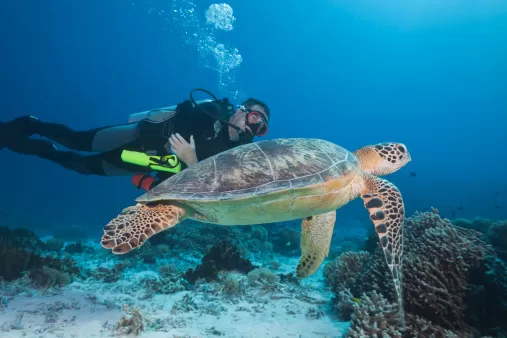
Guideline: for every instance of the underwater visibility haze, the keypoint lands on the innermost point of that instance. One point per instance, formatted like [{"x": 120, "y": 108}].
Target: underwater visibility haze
[{"x": 424, "y": 81}]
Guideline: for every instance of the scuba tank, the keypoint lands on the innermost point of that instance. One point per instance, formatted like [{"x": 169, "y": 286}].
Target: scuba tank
[{"x": 159, "y": 114}]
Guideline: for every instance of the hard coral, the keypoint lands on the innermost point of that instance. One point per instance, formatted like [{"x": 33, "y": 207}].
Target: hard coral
[
  {"x": 477, "y": 223},
  {"x": 342, "y": 273},
  {"x": 497, "y": 234},
  {"x": 374, "y": 316},
  {"x": 135, "y": 324},
  {"x": 487, "y": 297},
  {"x": 439, "y": 263},
  {"x": 222, "y": 256},
  {"x": 21, "y": 250},
  {"x": 19, "y": 238}
]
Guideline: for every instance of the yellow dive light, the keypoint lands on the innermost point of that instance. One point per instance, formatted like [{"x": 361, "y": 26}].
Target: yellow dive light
[{"x": 169, "y": 163}]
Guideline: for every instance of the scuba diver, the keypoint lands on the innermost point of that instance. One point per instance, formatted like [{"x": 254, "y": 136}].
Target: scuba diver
[{"x": 164, "y": 141}]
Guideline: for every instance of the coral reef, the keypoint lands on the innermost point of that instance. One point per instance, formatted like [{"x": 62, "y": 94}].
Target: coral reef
[
  {"x": 262, "y": 276},
  {"x": 495, "y": 231},
  {"x": 108, "y": 275},
  {"x": 480, "y": 224},
  {"x": 260, "y": 233},
  {"x": 22, "y": 251},
  {"x": 54, "y": 244},
  {"x": 223, "y": 294},
  {"x": 234, "y": 284},
  {"x": 374, "y": 316},
  {"x": 222, "y": 256},
  {"x": 497, "y": 235},
  {"x": 197, "y": 237},
  {"x": 134, "y": 325},
  {"x": 443, "y": 267},
  {"x": 77, "y": 248},
  {"x": 169, "y": 281},
  {"x": 285, "y": 240}
]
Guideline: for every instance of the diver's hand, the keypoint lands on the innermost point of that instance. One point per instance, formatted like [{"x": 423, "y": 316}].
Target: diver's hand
[{"x": 184, "y": 150}]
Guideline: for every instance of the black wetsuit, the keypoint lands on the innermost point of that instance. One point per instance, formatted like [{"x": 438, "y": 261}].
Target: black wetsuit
[{"x": 210, "y": 136}]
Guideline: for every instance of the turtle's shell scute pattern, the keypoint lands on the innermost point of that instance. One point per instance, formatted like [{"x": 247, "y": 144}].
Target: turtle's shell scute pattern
[{"x": 257, "y": 168}]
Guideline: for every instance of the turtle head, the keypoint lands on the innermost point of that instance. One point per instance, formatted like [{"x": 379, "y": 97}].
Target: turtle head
[{"x": 383, "y": 158}]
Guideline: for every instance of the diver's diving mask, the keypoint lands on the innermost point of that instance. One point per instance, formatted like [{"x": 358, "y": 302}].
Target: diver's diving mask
[{"x": 255, "y": 120}]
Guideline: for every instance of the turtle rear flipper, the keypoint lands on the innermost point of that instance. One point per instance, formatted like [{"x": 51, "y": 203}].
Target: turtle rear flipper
[
  {"x": 135, "y": 224},
  {"x": 385, "y": 205},
  {"x": 316, "y": 234}
]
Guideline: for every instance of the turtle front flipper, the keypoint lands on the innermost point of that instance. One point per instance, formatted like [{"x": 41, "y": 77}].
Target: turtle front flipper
[
  {"x": 316, "y": 233},
  {"x": 385, "y": 205},
  {"x": 135, "y": 224}
]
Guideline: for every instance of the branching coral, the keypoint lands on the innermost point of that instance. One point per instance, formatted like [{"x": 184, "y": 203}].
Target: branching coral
[
  {"x": 374, "y": 316},
  {"x": 342, "y": 273},
  {"x": 344, "y": 304},
  {"x": 439, "y": 263},
  {"x": 233, "y": 285},
  {"x": 135, "y": 324},
  {"x": 496, "y": 232}
]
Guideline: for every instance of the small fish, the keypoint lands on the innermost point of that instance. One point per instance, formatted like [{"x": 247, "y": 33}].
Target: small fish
[
  {"x": 460, "y": 207},
  {"x": 413, "y": 174},
  {"x": 287, "y": 244},
  {"x": 357, "y": 300},
  {"x": 498, "y": 206}
]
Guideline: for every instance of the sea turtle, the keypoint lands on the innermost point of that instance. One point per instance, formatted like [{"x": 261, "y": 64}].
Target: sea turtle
[{"x": 273, "y": 181}]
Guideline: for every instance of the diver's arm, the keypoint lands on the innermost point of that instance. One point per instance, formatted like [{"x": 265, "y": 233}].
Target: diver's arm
[{"x": 183, "y": 149}]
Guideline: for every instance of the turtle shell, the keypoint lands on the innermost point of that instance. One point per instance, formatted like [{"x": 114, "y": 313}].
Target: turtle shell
[{"x": 257, "y": 168}]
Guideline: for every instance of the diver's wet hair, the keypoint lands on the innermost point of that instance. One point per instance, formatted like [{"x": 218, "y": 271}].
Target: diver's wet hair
[{"x": 252, "y": 102}]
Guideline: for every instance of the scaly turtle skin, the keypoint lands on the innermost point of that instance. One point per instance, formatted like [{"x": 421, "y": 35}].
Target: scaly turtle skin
[{"x": 275, "y": 181}]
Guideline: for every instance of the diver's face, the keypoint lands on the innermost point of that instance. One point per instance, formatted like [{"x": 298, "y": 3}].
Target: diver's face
[{"x": 239, "y": 119}]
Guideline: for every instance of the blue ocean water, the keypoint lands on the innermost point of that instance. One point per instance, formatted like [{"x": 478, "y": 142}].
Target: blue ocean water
[{"x": 432, "y": 75}]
